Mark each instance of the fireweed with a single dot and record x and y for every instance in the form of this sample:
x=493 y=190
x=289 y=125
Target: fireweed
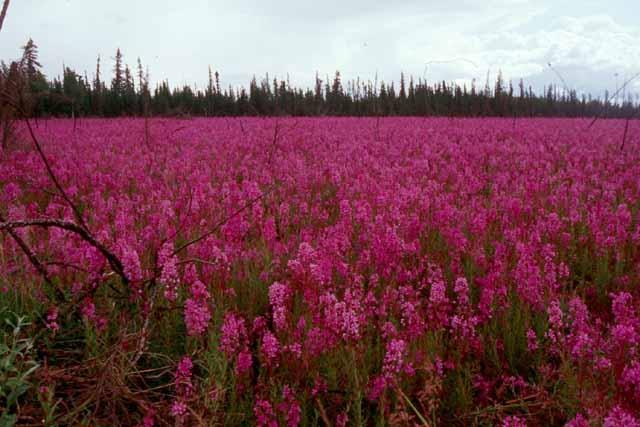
x=335 y=271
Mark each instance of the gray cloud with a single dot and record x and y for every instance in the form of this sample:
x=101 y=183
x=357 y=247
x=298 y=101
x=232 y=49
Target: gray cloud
x=178 y=41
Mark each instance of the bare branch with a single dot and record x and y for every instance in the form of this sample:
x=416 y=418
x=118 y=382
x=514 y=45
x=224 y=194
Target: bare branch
x=197 y=260
x=53 y=177
x=113 y=260
x=17 y=107
x=566 y=87
x=3 y=14
x=237 y=212
x=274 y=142
x=33 y=259
x=624 y=85
x=624 y=136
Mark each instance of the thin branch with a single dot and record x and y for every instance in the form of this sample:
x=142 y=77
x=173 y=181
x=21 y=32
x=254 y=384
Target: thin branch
x=274 y=142
x=17 y=107
x=624 y=136
x=624 y=85
x=198 y=260
x=323 y=413
x=33 y=259
x=224 y=221
x=52 y=176
x=144 y=332
x=63 y=264
x=113 y=260
x=80 y=228
x=182 y=221
x=3 y=14
x=566 y=87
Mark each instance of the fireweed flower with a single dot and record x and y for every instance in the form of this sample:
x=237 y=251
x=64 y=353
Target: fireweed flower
x=295 y=349
x=513 y=421
x=264 y=413
x=578 y=421
x=618 y=417
x=461 y=288
x=196 y=309
x=131 y=261
x=346 y=254
x=178 y=409
x=51 y=321
x=169 y=271
x=149 y=419
x=233 y=335
x=438 y=300
x=290 y=408
x=555 y=334
x=630 y=380
x=88 y=309
x=528 y=277
x=244 y=362
x=394 y=358
x=183 y=386
x=196 y=316
x=581 y=338
x=532 y=340
x=270 y=348
x=279 y=295
x=342 y=419
x=183 y=376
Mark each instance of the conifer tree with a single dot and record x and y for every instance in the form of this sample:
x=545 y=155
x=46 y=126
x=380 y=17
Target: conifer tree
x=30 y=59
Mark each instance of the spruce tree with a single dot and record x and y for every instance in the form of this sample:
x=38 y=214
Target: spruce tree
x=30 y=59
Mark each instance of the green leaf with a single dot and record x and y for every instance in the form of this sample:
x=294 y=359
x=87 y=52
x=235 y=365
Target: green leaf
x=8 y=420
x=16 y=393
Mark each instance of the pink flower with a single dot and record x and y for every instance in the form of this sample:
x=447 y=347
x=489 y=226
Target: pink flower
x=342 y=419
x=438 y=300
x=618 y=417
x=630 y=380
x=578 y=421
x=149 y=419
x=131 y=262
x=376 y=387
x=169 y=271
x=196 y=316
x=461 y=288
x=233 y=334
x=290 y=407
x=196 y=310
x=244 y=362
x=179 y=409
x=184 y=387
x=532 y=340
x=279 y=294
x=265 y=416
x=513 y=421
x=88 y=309
x=51 y=321
x=270 y=348
x=555 y=334
x=394 y=358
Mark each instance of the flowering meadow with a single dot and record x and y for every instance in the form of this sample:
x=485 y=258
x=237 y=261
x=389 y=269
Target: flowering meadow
x=321 y=271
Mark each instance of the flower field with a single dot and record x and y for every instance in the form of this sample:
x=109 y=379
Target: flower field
x=323 y=271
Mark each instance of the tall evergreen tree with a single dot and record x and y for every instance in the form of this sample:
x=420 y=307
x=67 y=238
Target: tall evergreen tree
x=30 y=59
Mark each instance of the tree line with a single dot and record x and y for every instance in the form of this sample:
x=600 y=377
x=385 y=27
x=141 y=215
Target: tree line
x=128 y=94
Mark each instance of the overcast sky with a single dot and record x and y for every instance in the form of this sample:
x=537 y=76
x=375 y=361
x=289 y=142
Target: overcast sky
x=587 y=42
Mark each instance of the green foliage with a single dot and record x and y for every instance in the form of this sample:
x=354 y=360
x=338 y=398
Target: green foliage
x=16 y=364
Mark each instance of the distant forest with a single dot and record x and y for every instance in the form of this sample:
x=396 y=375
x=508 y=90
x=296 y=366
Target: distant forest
x=128 y=94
